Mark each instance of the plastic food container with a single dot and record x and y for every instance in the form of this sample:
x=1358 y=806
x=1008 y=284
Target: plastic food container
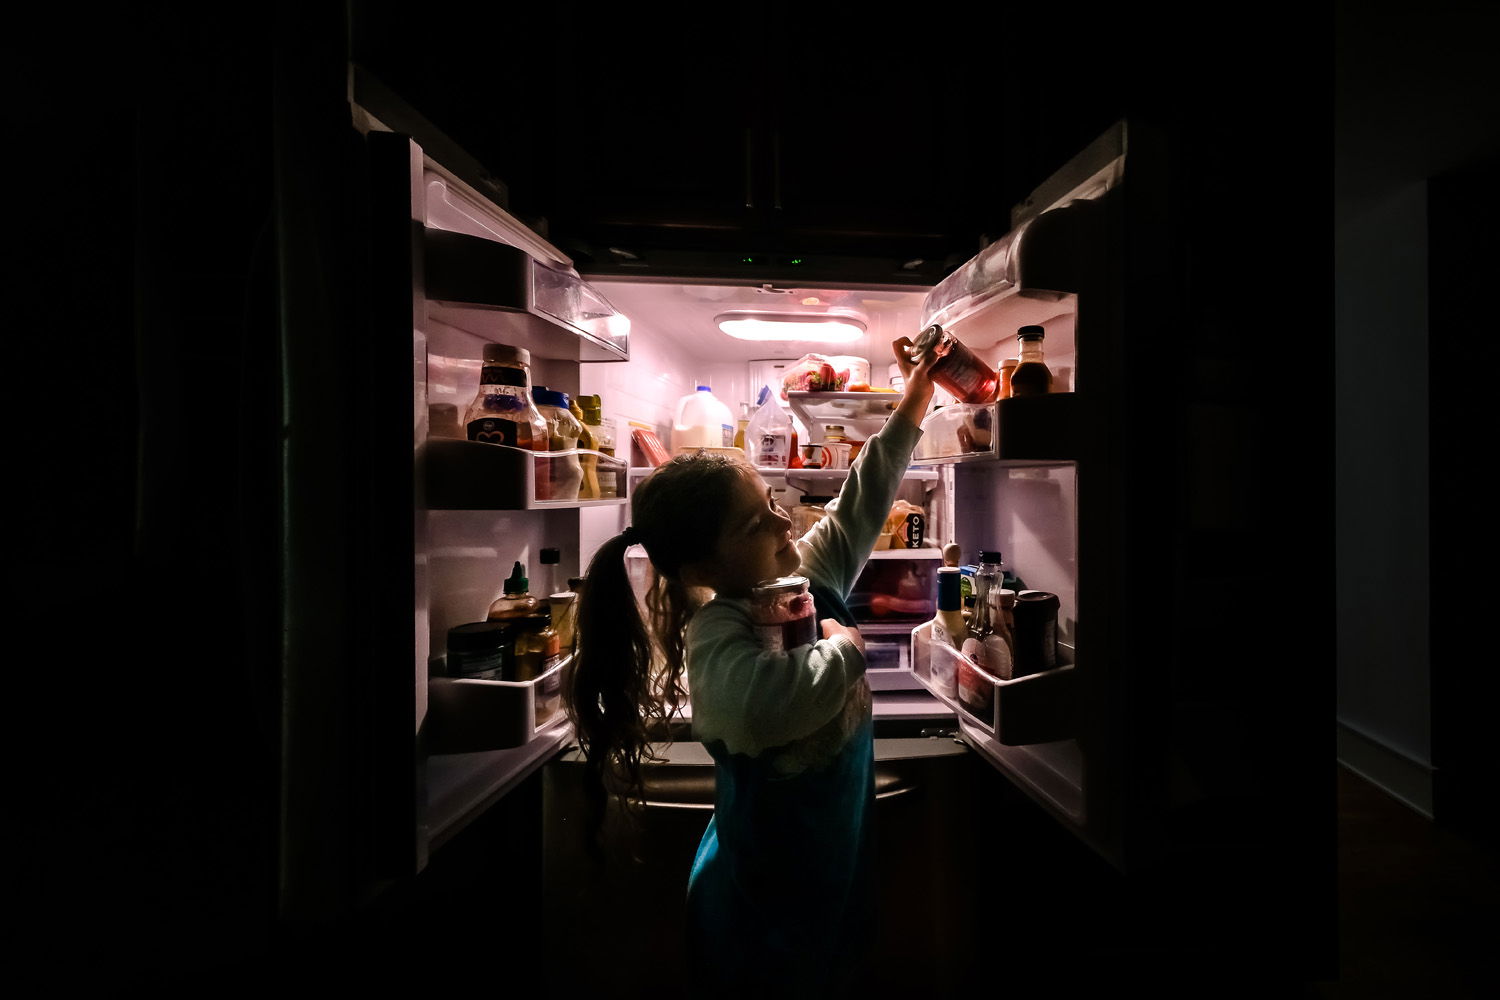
x=783 y=613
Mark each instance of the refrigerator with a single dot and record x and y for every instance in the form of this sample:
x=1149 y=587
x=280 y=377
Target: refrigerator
x=304 y=275
x=1151 y=806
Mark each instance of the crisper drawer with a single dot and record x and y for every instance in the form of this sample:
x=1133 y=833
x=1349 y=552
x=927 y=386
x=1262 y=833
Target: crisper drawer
x=475 y=475
x=465 y=715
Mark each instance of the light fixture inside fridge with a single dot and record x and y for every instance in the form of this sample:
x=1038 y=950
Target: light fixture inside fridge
x=827 y=328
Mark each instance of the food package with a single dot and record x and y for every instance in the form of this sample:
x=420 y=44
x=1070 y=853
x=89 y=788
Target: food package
x=814 y=373
x=769 y=436
x=906 y=525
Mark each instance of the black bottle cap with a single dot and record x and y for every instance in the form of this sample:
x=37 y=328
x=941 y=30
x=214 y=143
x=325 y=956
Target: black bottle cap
x=989 y=556
x=1031 y=332
x=550 y=557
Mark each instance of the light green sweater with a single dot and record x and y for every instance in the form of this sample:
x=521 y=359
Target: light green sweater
x=754 y=699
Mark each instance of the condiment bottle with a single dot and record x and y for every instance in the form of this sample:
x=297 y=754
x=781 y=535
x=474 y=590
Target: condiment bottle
x=739 y=430
x=560 y=476
x=604 y=442
x=946 y=629
x=1031 y=377
x=536 y=648
x=987 y=644
x=442 y=421
x=502 y=411
x=1007 y=375
x=549 y=558
x=517 y=602
x=564 y=611
x=589 y=488
x=958 y=369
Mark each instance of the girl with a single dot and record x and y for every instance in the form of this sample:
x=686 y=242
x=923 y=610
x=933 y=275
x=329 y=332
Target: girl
x=779 y=899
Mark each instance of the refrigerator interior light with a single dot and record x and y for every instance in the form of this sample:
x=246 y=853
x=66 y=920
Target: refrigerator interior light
x=829 y=328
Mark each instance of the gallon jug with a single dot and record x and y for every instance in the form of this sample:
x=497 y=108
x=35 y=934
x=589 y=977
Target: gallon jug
x=702 y=422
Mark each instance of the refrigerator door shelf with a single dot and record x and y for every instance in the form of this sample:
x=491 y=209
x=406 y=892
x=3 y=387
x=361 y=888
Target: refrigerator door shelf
x=1020 y=430
x=471 y=716
x=1036 y=708
x=474 y=475
x=502 y=294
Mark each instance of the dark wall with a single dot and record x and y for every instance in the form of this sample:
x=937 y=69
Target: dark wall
x=1415 y=139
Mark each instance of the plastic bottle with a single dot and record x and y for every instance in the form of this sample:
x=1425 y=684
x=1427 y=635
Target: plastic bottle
x=537 y=647
x=564 y=610
x=1031 y=377
x=702 y=422
x=988 y=643
x=739 y=431
x=517 y=602
x=502 y=411
x=589 y=488
x=549 y=559
x=947 y=629
x=768 y=436
x=604 y=442
x=558 y=478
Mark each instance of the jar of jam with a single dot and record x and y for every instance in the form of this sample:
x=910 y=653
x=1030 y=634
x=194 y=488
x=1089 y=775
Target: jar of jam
x=958 y=369
x=783 y=613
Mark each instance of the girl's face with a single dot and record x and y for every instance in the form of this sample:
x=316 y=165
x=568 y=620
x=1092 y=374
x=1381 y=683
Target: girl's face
x=756 y=542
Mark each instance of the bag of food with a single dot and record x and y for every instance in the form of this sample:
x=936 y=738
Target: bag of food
x=906 y=524
x=814 y=373
x=768 y=434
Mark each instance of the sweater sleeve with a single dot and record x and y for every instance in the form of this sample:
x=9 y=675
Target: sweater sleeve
x=754 y=699
x=835 y=549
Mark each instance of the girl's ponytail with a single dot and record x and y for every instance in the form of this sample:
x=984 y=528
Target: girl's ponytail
x=609 y=690
x=626 y=679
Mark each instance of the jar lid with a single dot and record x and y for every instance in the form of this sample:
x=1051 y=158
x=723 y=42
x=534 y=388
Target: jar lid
x=543 y=396
x=1009 y=363
x=505 y=352
x=780 y=584
x=815 y=499
x=1031 y=333
x=475 y=637
x=831 y=428
x=926 y=340
x=1039 y=598
x=989 y=556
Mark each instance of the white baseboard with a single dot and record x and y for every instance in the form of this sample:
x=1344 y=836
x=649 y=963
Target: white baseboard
x=1405 y=779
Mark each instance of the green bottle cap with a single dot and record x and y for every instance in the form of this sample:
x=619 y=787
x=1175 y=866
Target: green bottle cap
x=517 y=583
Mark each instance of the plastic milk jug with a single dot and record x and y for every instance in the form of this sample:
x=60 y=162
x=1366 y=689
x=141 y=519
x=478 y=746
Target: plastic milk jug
x=702 y=422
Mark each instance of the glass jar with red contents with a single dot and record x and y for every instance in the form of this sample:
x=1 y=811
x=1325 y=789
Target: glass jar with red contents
x=957 y=369
x=783 y=613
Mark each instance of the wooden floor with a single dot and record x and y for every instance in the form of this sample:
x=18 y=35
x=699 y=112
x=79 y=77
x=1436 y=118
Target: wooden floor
x=1417 y=906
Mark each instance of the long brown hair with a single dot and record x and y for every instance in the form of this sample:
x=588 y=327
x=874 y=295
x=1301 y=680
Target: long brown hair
x=625 y=683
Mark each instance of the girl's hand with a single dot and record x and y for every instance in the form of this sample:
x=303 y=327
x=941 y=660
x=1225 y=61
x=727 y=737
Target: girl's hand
x=918 y=375
x=831 y=628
